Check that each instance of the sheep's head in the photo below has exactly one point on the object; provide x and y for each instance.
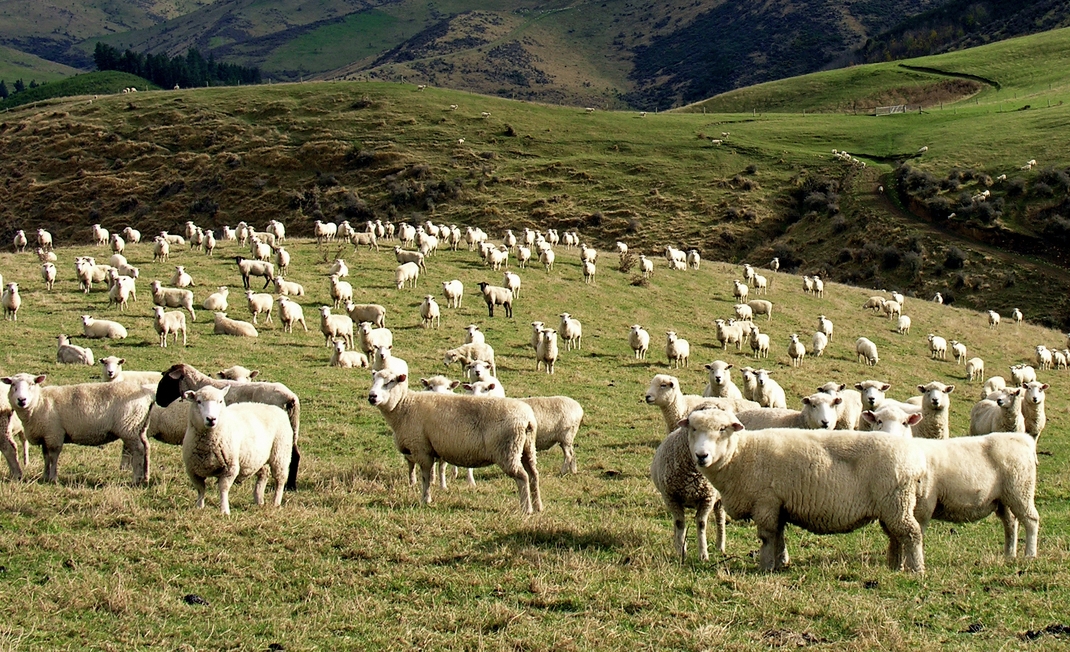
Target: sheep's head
(663, 388)
(710, 435)
(24, 390)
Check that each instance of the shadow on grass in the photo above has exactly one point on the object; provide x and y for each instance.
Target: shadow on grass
(559, 538)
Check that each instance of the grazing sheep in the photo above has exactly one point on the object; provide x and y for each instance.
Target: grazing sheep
(335, 326)
(892, 309)
(796, 350)
(249, 268)
(217, 301)
(290, 288)
(958, 349)
(682, 487)
(903, 325)
(639, 340)
(168, 323)
(677, 350)
(937, 347)
(975, 368)
(430, 313)
(102, 329)
(571, 331)
(466, 353)
(180, 279)
(495, 295)
(866, 351)
(1016, 316)
(11, 301)
(369, 240)
(665, 393)
(369, 312)
(172, 298)
(472, 335)
(346, 359)
(1021, 374)
(67, 353)
(769, 393)
(874, 303)
(290, 313)
(260, 304)
(1033, 408)
(112, 372)
(88, 414)
(467, 431)
(232, 442)
(454, 292)
(341, 291)
(759, 343)
(935, 408)
(825, 482)
(546, 350)
(849, 409)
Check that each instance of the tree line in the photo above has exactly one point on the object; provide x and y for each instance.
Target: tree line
(167, 72)
(18, 87)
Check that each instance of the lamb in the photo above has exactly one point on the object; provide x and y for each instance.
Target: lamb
(993, 319)
(173, 298)
(168, 323)
(819, 412)
(238, 374)
(472, 335)
(720, 384)
(546, 351)
(818, 343)
(825, 482)
(1000, 412)
(492, 387)
(217, 301)
(729, 333)
(958, 349)
(639, 340)
(335, 326)
(1021, 374)
(759, 343)
(677, 350)
(682, 487)
(571, 331)
(892, 309)
(454, 292)
(255, 268)
(935, 408)
(430, 313)
(290, 313)
(102, 328)
(19, 243)
(88, 414)
(903, 325)
(260, 304)
(872, 394)
(889, 419)
(761, 307)
(232, 442)
(546, 257)
(468, 431)
(161, 250)
(48, 275)
(769, 393)
(341, 291)
(11, 301)
(1033, 408)
(1016, 316)
(495, 295)
(665, 393)
(866, 351)
(466, 353)
(796, 350)
(369, 312)
(346, 359)
(646, 266)
(975, 368)
(512, 281)
(739, 291)
(849, 409)
(67, 353)
(477, 370)
(180, 279)
(112, 372)
(289, 288)
(181, 378)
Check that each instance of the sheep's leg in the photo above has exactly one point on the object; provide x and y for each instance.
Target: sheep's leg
(51, 455)
(1031, 521)
(569, 463)
(1010, 531)
(125, 458)
(471, 477)
(224, 484)
(702, 515)
(412, 470)
(426, 469)
(261, 485)
(441, 466)
(679, 527)
(11, 454)
(139, 453)
(907, 535)
(530, 462)
(719, 522)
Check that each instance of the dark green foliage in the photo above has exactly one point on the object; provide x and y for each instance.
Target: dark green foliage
(955, 259)
(191, 70)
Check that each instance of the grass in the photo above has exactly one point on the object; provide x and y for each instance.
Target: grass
(20, 65)
(353, 561)
(91, 83)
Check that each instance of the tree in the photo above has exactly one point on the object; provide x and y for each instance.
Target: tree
(3, 90)
(19, 85)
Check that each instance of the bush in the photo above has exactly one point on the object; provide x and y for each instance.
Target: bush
(955, 259)
(1016, 187)
(1041, 189)
(1054, 178)
(627, 262)
(839, 224)
(912, 260)
(751, 169)
(891, 258)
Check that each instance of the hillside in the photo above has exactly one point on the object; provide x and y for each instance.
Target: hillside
(20, 65)
(91, 83)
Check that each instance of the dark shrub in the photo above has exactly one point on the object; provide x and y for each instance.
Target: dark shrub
(955, 259)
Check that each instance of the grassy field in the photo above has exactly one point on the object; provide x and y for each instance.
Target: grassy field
(19, 65)
(352, 560)
(110, 82)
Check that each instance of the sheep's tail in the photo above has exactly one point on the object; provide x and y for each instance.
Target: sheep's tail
(294, 410)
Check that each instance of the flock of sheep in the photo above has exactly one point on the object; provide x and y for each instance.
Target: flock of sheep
(734, 450)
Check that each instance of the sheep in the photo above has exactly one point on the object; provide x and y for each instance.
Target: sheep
(993, 384)
(892, 309)
(100, 235)
(938, 298)
(180, 279)
(872, 393)
(866, 351)
(102, 328)
(589, 271)
(523, 255)
(238, 374)
(935, 407)
(490, 387)
(818, 342)
(495, 295)
(646, 266)
(324, 231)
(44, 239)
(1000, 412)
(67, 353)
(937, 347)
(874, 303)
(761, 307)
(849, 409)
(217, 301)
(88, 414)
(903, 325)
(546, 350)
(11, 301)
(720, 383)
(1060, 359)
(818, 413)
(993, 319)
(249, 268)
(808, 285)
(682, 487)
(406, 273)
(889, 419)
(414, 257)
(120, 292)
(290, 313)
(19, 242)
(223, 325)
(112, 372)
(958, 349)
(440, 384)
(478, 370)
(1033, 408)
(975, 368)
(167, 323)
(132, 236)
(341, 291)
(677, 350)
(454, 292)
(369, 312)
(761, 285)
(346, 359)
(46, 256)
(743, 312)
(740, 291)
(547, 257)
(466, 353)
(468, 431)
(749, 380)
(1044, 356)
(665, 393)
(824, 482)
(729, 333)
(260, 304)
(1021, 374)
(759, 343)
(571, 331)
(796, 350)
(48, 275)
(512, 282)
(161, 250)
(368, 240)
(774, 265)
(1016, 316)
(181, 378)
(335, 326)
(118, 245)
(89, 273)
(536, 329)
(289, 288)
(472, 335)
(173, 298)
(10, 426)
(639, 340)
(232, 442)
(383, 358)
(209, 243)
(430, 313)
(769, 392)
(899, 298)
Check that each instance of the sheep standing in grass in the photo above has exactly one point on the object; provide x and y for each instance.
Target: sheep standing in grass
(993, 319)
(975, 368)
(430, 313)
(88, 414)
(874, 303)
(1044, 357)
(892, 309)
(369, 312)
(546, 350)
(169, 323)
(866, 351)
(937, 347)
(11, 301)
(335, 326)
(1000, 412)
(495, 295)
(682, 487)
(646, 266)
(249, 268)
(1016, 316)
(665, 393)
(512, 281)
(571, 331)
(759, 343)
(173, 298)
(472, 335)
(44, 239)
(740, 291)
(466, 353)
(290, 313)
(48, 275)
(233, 442)
(677, 350)
(1033, 408)
(848, 409)
(67, 353)
(1021, 374)
(824, 482)
(825, 326)
(341, 291)
(796, 350)
(639, 340)
(454, 292)
(729, 333)
(467, 431)
(720, 383)
(743, 312)
(958, 349)
(761, 307)
(818, 343)
(260, 304)
(19, 243)
(935, 410)
(903, 325)
(383, 358)
(547, 257)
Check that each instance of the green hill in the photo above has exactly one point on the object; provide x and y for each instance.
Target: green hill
(20, 65)
(93, 83)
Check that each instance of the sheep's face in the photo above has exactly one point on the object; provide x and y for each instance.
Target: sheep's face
(934, 396)
(662, 388)
(387, 388)
(711, 436)
(820, 411)
(206, 406)
(1008, 398)
(1034, 392)
(719, 373)
(872, 396)
(24, 390)
(112, 367)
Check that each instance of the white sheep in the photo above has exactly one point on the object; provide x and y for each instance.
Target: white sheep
(694, 259)
(825, 326)
(223, 325)
(759, 343)
(824, 482)
(10, 427)
(102, 328)
(249, 268)
(11, 301)
(67, 353)
(217, 301)
(743, 312)
(682, 487)
(1016, 316)
(937, 347)
(993, 319)
(467, 431)
(495, 295)
(161, 250)
(761, 307)
(639, 340)
(512, 282)
(546, 350)
(19, 242)
(181, 279)
(260, 304)
(848, 408)
(290, 313)
(935, 410)
(232, 442)
(547, 257)
(975, 368)
(472, 335)
(346, 359)
(993, 384)
(818, 342)
(1021, 374)
(100, 235)
(665, 393)
(796, 350)
(112, 372)
(891, 420)
(335, 326)
(874, 303)
(677, 350)
(48, 275)
(589, 271)
(88, 414)
(284, 287)
(430, 312)
(121, 291)
(169, 323)
(729, 333)
(369, 312)
(372, 338)
(769, 393)
(454, 292)
(466, 353)
(720, 381)
(1044, 357)
(892, 309)
(44, 239)
(238, 374)
(341, 291)
(740, 291)
(571, 331)
(1033, 399)
(749, 379)
(903, 325)
(132, 236)
(866, 351)
(818, 413)
(958, 349)
(646, 266)
(173, 298)
(999, 412)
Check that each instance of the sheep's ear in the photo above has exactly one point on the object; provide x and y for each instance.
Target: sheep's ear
(709, 366)
(737, 426)
(255, 374)
(1015, 392)
(842, 386)
(869, 417)
(806, 400)
(6, 381)
(423, 381)
(189, 395)
(885, 387)
(492, 386)
(729, 366)
(1044, 386)
(949, 389)
(467, 386)
(858, 386)
(402, 378)
(682, 423)
(454, 384)
(921, 389)
(837, 401)
(914, 419)
(122, 361)
(39, 379)
(226, 390)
